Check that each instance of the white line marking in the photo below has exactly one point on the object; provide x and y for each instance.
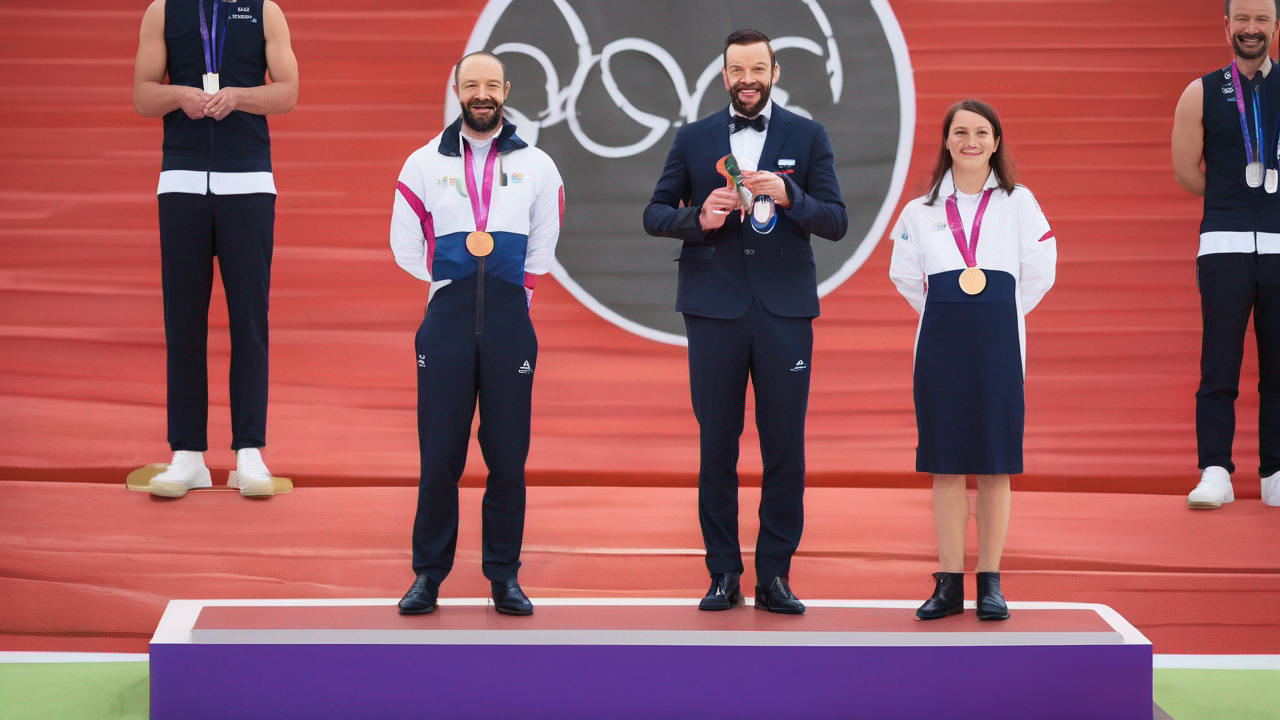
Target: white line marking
(13, 656)
(180, 615)
(1217, 662)
(1160, 662)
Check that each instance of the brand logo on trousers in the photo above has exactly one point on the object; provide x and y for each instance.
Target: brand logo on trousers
(799, 366)
(525, 369)
(422, 361)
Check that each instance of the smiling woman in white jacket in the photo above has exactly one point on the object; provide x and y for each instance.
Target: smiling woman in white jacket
(973, 257)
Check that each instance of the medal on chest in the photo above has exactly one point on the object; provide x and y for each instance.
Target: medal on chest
(480, 243)
(1256, 173)
(972, 279)
(213, 44)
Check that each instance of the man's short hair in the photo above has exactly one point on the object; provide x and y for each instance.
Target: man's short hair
(748, 37)
(1226, 7)
(457, 69)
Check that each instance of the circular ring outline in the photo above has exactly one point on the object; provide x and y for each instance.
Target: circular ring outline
(493, 12)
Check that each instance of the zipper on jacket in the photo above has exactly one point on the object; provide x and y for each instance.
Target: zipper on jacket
(480, 298)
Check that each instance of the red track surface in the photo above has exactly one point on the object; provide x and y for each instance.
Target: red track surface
(90, 567)
(1087, 94)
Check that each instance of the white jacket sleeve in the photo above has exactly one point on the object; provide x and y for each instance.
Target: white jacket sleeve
(545, 215)
(906, 269)
(1037, 252)
(412, 234)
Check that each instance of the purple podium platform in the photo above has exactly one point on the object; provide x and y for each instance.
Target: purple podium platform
(643, 659)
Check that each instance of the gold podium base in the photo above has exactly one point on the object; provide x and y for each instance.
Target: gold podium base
(140, 480)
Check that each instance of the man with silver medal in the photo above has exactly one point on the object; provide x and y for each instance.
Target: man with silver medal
(1225, 150)
(477, 215)
(216, 198)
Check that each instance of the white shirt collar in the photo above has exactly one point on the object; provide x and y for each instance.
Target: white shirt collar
(479, 144)
(765, 113)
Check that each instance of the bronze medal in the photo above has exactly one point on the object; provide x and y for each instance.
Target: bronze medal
(479, 243)
(973, 281)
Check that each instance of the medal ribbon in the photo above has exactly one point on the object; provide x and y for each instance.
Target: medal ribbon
(968, 250)
(212, 48)
(480, 205)
(1244, 122)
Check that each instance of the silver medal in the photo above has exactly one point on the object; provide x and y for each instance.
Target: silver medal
(211, 87)
(1273, 180)
(1253, 174)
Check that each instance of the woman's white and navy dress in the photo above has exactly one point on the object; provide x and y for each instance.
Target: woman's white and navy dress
(970, 353)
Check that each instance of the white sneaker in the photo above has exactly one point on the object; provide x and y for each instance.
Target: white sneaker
(1271, 490)
(186, 472)
(251, 474)
(1213, 491)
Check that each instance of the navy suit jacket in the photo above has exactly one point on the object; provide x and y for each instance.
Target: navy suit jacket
(722, 270)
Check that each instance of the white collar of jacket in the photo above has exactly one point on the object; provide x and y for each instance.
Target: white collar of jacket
(948, 182)
(451, 139)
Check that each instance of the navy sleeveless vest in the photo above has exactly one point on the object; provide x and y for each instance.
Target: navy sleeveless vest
(1230, 205)
(240, 141)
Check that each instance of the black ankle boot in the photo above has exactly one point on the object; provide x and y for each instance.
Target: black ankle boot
(948, 597)
(991, 605)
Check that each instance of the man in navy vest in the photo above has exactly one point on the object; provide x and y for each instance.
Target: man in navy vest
(749, 295)
(217, 197)
(1230, 119)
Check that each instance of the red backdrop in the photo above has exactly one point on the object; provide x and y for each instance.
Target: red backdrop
(1086, 91)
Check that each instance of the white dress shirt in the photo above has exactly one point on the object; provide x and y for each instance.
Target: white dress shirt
(747, 144)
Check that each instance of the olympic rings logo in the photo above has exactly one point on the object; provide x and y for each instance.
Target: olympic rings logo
(562, 102)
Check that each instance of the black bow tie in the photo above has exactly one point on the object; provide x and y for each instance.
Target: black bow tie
(756, 123)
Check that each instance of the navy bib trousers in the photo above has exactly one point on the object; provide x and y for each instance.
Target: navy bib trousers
(239, 230)
(475, 346)
(1234, 286)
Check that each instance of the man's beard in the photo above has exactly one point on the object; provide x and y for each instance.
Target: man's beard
(480, 124)
(1241, 52)
(753, 110)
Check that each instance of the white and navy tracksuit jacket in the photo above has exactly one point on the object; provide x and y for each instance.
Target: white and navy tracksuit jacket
(433, 214)
(476, 342)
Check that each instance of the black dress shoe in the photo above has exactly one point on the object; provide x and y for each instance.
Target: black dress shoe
(421, 598)
(991, 605)
(776, 597)
(948, 597)
(725, 592)
(509, 599)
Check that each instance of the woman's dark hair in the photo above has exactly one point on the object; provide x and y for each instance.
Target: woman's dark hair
(1001, 163)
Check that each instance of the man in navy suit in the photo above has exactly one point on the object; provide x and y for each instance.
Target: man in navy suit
(749, 299)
